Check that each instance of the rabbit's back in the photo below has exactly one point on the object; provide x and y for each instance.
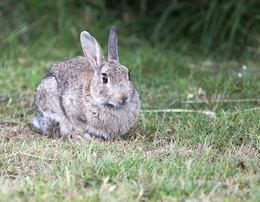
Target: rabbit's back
(71, 73)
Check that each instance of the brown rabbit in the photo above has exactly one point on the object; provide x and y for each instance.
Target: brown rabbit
(88, 96)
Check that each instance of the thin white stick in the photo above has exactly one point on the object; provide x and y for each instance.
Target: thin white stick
(220, 101)
(14, 154)
(252, 109)
(205, 112)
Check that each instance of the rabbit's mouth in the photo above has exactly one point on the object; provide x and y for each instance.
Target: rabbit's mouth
(116, 105)
(109, 105)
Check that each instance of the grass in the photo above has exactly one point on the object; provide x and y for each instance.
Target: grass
(165, 157)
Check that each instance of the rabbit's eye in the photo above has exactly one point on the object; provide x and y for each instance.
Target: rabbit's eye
(129, 77)
(104, 77)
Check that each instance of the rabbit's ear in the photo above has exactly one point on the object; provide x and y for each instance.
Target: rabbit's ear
(112, 45)
(92, 49)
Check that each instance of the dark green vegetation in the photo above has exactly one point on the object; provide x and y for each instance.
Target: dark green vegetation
(167, 156)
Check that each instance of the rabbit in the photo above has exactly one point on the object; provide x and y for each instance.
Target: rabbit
(88, 96)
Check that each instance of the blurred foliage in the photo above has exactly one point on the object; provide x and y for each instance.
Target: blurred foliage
(231, 27)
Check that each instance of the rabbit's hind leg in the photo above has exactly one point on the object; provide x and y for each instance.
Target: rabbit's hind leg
(46, 125)
(50, 115)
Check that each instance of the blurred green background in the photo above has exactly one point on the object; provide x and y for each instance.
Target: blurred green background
(219, 28)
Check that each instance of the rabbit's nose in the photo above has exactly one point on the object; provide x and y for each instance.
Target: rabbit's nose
(123, 99)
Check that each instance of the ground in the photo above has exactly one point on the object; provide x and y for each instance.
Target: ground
(165, 157)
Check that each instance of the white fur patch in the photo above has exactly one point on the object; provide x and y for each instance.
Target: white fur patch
(97, 100)
(63, 129)
(35, 123)
(87, 137)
